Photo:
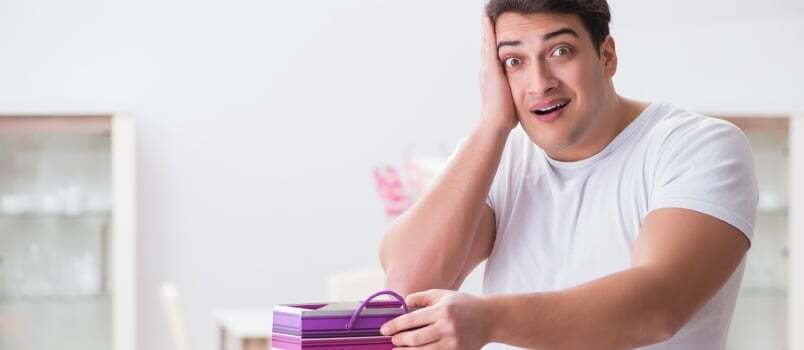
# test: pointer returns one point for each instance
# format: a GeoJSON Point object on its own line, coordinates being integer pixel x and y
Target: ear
{"type": "Point", "coordinates": [608, 54]}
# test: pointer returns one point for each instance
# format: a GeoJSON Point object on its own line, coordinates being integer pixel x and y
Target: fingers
{"type": "Point", "coordinates": [432, 346]}
{"type": "Point", "coordinates": [425, 298]}
{"type": "Point", "coordinates": [418, 318]}
{"type": "Point", "coordinates": [484, 40]}
{"type": "Point", "coordinates": [418, 337]}
{"type": "Point", "coordinates": [483, 30]}
{"type": "Point", "coordinates": [489, 39]}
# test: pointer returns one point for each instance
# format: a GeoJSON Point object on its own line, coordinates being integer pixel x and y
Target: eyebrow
{"type": "Point", "coordinates": [545, 37]}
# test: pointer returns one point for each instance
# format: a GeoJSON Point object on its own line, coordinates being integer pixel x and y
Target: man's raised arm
{"type": "Point", "coordinates": [446, 232]}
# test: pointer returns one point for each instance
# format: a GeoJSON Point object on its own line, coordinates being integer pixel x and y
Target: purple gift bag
{"type": "Point", "coordinates": [331, 326]}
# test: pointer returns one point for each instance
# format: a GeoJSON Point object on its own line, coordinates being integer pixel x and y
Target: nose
{"type": "Point", "coordinates": [542, 81]}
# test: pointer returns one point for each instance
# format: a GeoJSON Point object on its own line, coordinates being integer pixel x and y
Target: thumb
{"type": "Point", "coordinates": [425, 298]}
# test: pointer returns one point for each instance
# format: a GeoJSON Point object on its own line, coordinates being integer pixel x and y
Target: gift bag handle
{"type": "Point", "coordinates": [363, 305]}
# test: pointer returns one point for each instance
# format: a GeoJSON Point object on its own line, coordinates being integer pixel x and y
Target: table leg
{"type": "Point", "coordinates": [256, 344]}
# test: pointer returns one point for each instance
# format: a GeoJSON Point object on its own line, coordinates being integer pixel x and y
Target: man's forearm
{"type": "Point", "coordinates": [427, 246]}
{"type": "Point", "coordinates": [621, 311]}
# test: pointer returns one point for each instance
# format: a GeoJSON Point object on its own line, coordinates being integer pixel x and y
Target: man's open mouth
{"type": "Point", "coordinates": [551, 109]}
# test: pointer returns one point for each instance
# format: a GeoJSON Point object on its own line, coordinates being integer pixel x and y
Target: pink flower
{"type": "Point", "coordinates": [391, 190]}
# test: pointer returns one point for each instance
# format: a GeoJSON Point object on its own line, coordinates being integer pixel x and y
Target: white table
{"type": "Point", "coordinates": [245, 329]}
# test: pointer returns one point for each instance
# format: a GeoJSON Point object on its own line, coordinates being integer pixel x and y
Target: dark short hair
{"type": "Point", "coordinates": [594, 14]}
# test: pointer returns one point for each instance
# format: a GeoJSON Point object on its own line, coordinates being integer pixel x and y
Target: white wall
{"type": "Point", "coordinates": [720, 56]}
{"type": "Point", "coordinates": [259, 121]}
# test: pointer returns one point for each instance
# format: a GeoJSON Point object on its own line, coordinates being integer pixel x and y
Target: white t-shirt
{"type": "Point", "coordinates": [560, 224]}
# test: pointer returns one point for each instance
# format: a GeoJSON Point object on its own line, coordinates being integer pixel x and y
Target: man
{"type": "Point", "coordinates": [606, 223]}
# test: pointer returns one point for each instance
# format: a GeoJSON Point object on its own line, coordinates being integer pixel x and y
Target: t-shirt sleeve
{"type": "Point", "coordinates": [708, 167]}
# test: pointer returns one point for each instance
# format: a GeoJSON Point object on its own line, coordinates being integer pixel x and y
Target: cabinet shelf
{"type": "Point", "coordinates": [781, 211]}
{"type": "Point", "coordinates": [104, 215]}
{"type": "Point", "coordinates": [56, 124]}
{"type": "Point", "coordinates": [54, 299]}
{"type": "Point", "coordinates": [752, 292]}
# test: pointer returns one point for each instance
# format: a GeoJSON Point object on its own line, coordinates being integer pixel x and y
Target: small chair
{"type": "Point", "coordinates": [175, 316]}
{"type": "Point", "coordinates": [355, 284]}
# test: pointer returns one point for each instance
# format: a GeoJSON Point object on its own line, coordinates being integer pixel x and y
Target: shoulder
{"type": "Point", "coordinates": [679, 131]}
{"type": "Point", "coordinates": [703, 164]}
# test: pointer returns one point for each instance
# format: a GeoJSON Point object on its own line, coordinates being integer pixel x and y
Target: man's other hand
{"type": "Point", "coordinates": [498, 104]}
{"type": "Point", "coordinates": [446, 320]}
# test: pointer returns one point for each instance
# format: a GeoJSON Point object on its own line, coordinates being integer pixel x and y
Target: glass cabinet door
{"type": "Point", "coordinates": [761, 317]}
{"type": "Point", "coordinates": [56, 232]}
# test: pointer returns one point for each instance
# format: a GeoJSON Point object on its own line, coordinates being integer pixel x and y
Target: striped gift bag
{"type": "Point", "coordinates": [331, 326]}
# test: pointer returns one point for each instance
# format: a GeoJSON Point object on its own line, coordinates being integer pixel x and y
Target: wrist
{"type": "Point", "coordinates": [493, 308]}
{"type": "Point", "coordinates": [490, 127]}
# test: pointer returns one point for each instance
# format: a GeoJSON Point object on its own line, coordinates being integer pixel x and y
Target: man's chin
{"type": "Point", "coordinates": [556, 141]}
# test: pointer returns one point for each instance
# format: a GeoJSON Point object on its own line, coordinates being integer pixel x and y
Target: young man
{"type": "Point", "coordinates": [607, 223]}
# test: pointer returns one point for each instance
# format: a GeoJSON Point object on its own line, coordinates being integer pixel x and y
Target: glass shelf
{"type": "Point", "coordinates": [56, 124]}
{"type": "Point", "coordinates": [781, 211]}
{"type": "Point", "coordinates": [41, 216]}
{"type": "Point", "coordinates": [55, 299]}
{"type": "Point", "coordinates": [753, 292]}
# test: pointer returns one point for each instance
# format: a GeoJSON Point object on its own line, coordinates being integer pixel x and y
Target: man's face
{"type": "Point", "coordinates": [559, 82]}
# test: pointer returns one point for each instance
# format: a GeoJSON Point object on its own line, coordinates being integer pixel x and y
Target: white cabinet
{"type": "Point", "coordinates": [769, 308]}
{"type": "Point", "coordinates": [67, 234]}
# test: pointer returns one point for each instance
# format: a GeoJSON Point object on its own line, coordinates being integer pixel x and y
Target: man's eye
{"type": "Point", "coordinates": [512, 61]}
{"type": "Point", "coordinates": [561, 51]}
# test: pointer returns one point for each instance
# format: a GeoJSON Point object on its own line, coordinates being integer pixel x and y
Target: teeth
{"type": "Point", "coordinates": [552, 108]}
